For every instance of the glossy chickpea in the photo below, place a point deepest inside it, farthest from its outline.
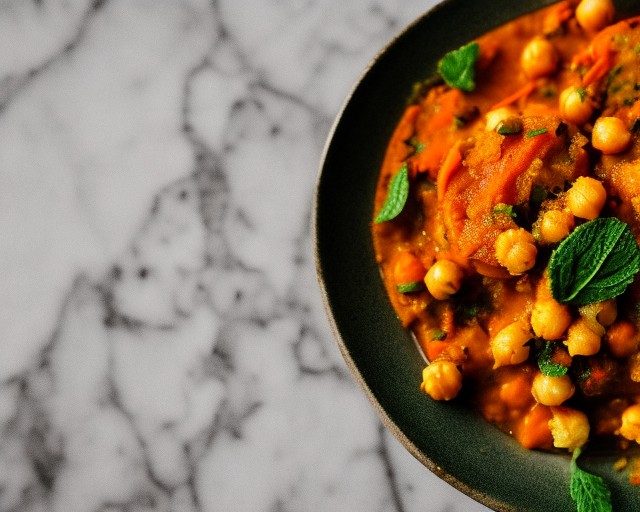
(623, 339)
(493, 118)
(610, 135)
(581, 339)
(552, 391)
(630, 428)
(555, 225)
(569, 428)
(549, 318)
(586, 198)
(443, 279)
(607, 312)
(594, 15)
(508, 346)
(575, 106)
(516, 251)
(441, 380)
(539, 58)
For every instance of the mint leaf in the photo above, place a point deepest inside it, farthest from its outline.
(412, 287)
(458, 67)
(590, 492)
(396, 196)
(594, 263)
(547, 366)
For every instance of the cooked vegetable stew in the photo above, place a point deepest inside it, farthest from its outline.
(507, 220)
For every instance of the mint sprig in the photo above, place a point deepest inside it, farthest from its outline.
(397, 195)
(458, 67)
(594, 263)
(588, 491)
(547, 366)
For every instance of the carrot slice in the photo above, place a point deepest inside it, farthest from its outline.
(451, 163)
(523, 92)
(599, 69)
(533, 431)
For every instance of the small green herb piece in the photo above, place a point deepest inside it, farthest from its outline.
(412, 287)
(511, 126)
(504, 209)
(416, 145)
(397, 195)
(538, 195)
(594, 263)
(582, 92)
(535, 133)
(590, 492)
(547, 366)
(458, 67)
(439, 335)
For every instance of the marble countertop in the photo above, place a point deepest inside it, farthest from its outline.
(164, 343)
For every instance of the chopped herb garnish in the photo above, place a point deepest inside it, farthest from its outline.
(504, 209)
(594, 263)
(457, 68)
(547, 366)
(582, 92)
(511, 126)
(535, 133)
(439, 335)
(589, 491)
(397, 195)
(538, 195)
(412, 287)
(418, 147)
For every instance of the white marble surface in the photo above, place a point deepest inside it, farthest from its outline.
(164, 345)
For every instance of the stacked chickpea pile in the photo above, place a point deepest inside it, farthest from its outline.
(517, 249)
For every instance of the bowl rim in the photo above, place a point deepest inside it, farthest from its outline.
(485, 498)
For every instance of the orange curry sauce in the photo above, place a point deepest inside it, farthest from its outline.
(469, 184)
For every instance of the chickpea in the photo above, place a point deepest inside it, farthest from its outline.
(555, 225)
(516, 251)
(508, 346)
(607, 312)
(552, 390)
(495, 117)
(594, 15)
(599, 315)
(610, 135)
(569, 428)
(441, 380)
(586, 198)
(575, 106)
(581, 339)
(630, 428)
(539, 58)
(623, 339)
(549, 318)
(443, 279)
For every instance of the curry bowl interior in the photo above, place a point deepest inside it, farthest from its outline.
(449, 438)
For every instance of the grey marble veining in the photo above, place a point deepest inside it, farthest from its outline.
(164, 344)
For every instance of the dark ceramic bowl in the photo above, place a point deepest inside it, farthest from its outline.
(449, 438)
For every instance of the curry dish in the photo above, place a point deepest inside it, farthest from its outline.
(507, 216)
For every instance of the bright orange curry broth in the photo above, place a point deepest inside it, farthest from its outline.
(466, 180)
